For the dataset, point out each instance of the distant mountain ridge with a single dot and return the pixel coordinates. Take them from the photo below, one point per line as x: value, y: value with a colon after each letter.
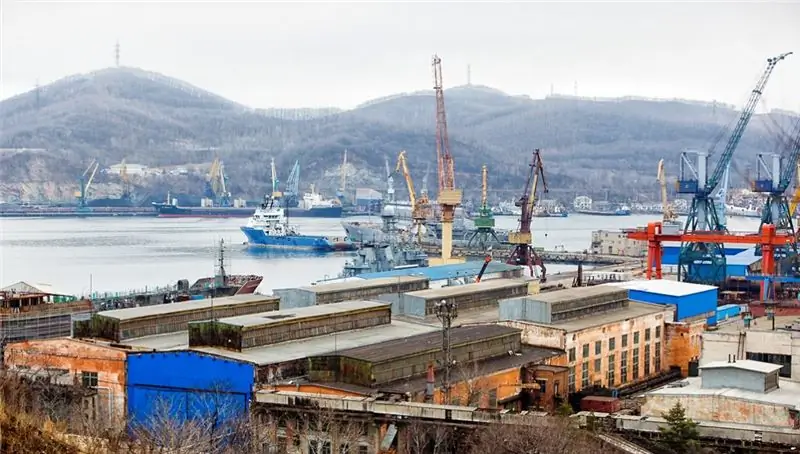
x: 590, y: 146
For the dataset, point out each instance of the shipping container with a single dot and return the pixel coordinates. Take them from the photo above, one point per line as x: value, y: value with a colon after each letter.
x: 601, y: 404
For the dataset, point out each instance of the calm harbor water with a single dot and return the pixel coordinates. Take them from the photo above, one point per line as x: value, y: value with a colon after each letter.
x: 113, y: 254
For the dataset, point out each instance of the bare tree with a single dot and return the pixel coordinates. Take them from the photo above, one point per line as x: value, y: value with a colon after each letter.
x: 472, y: 385
x: 327, y: 431
x: 540, y: 436
x: 429, y: 438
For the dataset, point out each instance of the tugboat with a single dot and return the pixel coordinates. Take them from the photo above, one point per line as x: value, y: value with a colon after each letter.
x: 392, y: 251
x: 269, y: 228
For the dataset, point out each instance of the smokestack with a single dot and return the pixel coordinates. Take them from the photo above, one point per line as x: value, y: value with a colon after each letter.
x: 429, y: 384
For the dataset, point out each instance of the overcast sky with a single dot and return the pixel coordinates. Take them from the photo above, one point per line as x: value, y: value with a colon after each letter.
x: 341, y: 54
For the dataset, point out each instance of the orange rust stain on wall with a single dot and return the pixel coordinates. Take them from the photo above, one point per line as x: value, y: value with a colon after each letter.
x: 683, y: 343
x: 560, y: 360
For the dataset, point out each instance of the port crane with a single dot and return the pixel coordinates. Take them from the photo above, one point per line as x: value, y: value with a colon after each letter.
x: 670, y: 218
x: 696, y: 180
x: 389, y: 181
x: 126, y: 181
x: 292, y: 190
x: 86, y: 182
x: 420, y: 206
x: 217, y: 184
x: 484, y: 224
x: 448, y: 197
x: 276, y: 193
x: 341, y: 193
x: 523, y: 253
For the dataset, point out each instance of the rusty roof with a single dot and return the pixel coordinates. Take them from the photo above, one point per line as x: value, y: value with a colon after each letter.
x: 420, y: 343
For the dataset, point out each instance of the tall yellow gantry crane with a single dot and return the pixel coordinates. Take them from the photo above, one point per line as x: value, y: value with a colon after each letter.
x: 666, y: 207
x: 449, y: 197
x: 420, y: 206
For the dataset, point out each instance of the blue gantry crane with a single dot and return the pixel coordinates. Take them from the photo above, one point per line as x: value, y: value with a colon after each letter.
x: 696, y: 180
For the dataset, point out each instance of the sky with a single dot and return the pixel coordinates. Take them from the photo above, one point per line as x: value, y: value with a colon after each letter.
x: 270, y: 54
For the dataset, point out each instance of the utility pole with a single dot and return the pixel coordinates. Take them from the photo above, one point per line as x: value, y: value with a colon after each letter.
x: 469, y: 75
x: 446, y: 312
x: 116, y: 54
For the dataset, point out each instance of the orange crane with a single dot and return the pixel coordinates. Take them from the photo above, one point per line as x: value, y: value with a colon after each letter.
x: 768, y: 238
x: 420, y: 206
x: 449, y: 197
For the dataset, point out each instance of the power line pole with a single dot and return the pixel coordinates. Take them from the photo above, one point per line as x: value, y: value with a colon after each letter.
x: 116, y: 54
x: 446, y: 312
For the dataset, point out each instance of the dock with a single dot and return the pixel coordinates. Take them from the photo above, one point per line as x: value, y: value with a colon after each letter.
x: 562, y: 257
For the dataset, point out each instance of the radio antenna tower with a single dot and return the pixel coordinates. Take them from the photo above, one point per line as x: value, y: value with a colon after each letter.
x: 446, y: 312
x: 38, y: 93
x: 116, y: 54
x: 469, y: 75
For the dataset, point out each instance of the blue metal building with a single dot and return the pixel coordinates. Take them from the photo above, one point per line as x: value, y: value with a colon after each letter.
x: 690, y: 300
x: 671, y: 252
x: 468, y: 269
x: 186, y: 385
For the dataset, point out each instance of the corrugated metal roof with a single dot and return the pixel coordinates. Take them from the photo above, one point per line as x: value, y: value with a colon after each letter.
x: 744, y: 364
x: 441, y: 272
x: 411, y: 345
x: 321, y: 345
x: 664, y: 287
x: 560, y: 296
x: 269, y: 318
x: 37, y: 287
x: 185, y: 306
x: 455, y: 290
x: 359, y: 284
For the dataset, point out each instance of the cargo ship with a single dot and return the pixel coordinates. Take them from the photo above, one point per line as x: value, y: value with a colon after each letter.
x: 269, y: 228
x: 604, y: 209
x: 55, y: 211
x: 218, y: 286
x: 312, y: 206
x: 549, y: 212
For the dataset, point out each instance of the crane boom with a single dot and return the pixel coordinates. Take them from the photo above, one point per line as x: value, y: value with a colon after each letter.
x: 402, y: 166
x: 523, y: 253
x: 744, y: 119
x: 666, y: 207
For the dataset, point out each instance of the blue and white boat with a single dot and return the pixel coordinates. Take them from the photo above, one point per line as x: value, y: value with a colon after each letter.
x: 269, y: 228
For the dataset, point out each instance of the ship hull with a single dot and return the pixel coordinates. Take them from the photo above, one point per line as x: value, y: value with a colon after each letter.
x: 174, y: 211
x: 605, y: 213
x: 257, y: 237
x: 551, y: 215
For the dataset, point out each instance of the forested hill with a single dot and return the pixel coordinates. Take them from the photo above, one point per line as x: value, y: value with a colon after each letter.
x: 589, y: 146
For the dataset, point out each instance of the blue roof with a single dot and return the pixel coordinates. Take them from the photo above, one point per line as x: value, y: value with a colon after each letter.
x: 442, y: 272
x: 746, y: 258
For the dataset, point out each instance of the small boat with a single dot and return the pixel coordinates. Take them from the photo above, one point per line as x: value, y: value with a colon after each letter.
x: 268, y: 227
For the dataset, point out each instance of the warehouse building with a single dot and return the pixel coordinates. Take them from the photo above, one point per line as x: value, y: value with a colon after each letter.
x: 492, y: 368
x: 757, y: 339
x: 121, y: 324
x: 734, y: 392
x: 480, y: 295
x: 257, y: 330
x: 136, y: 377
x: 610, y: 340
x: 353, y: 290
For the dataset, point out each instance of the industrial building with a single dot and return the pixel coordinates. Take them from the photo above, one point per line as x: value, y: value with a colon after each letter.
x: 479, y: 295
x: 695, y: 309
x: 760, y: 339
x: 491, y: 369
x: 314, y: 295
x: 734, y: 392
x: 616, y: 242
x: 610, y: 340
x: 37, y: 311
x: 257, y: 330
x: 134, y: 322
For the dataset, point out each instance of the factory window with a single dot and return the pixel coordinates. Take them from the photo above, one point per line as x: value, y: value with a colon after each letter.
x: 598, y: 365
x: 89, y: 379
x: 647, y: 335
x: 646, y: 360
x: 636, y: 338
x: 623, y: 367
x: 635, y: 372
x: 785, y: 361
x: 598, y: 347
x: 624, y: 341
x: 572, y: 355
x: 585, y: 375
x: 612, y: 343
x: 658, y: 356
x: 611, y: 367
x: 585, y: 350
x: 658, y: 332
x: 571, y: 383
